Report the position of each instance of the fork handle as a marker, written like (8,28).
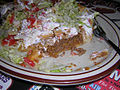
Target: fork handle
(113,45)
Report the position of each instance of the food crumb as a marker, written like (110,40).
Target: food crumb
(78,51)
(99,54)
(87,68)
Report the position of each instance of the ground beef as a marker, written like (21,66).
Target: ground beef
(64,45)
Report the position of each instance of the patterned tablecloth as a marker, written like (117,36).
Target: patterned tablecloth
(109,8)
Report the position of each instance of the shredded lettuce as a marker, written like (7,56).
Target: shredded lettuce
(4,53)
(67,12)
(19,15)
(11,54)
(96,13)
(57,70)
(61,70)
(6,25)
(44,4)
(15,59)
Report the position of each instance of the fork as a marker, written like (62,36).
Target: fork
(100,33)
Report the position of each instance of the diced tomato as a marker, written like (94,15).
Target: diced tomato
(33,4)
(36,9)
(26,9)
(26,2)
(43,13)
(22,64)
(28,61)
(32,21)
(12,42)
(11,19)
(30,26)
(32,16)
(10,37)
(4,42)
(9,40)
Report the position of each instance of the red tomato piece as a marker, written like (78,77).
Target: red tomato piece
(4,42)
(33,4)
(22,64)
(26,2)
(28,61)
(26,9)
(11,19)
(9,40)
(10,37)
(12,42)
(30,26)
(43,13)
(36,9)
(32,16)
(32,21)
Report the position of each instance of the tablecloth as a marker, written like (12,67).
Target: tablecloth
(110,82)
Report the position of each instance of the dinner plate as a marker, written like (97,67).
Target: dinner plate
(95,71)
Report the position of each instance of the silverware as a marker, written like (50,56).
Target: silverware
(99,32)
(115,20)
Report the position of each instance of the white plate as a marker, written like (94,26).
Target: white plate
(79,77)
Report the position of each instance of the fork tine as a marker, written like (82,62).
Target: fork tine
(100,29)
(99,32)
(95,21)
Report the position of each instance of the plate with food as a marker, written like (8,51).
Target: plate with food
(53,43)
